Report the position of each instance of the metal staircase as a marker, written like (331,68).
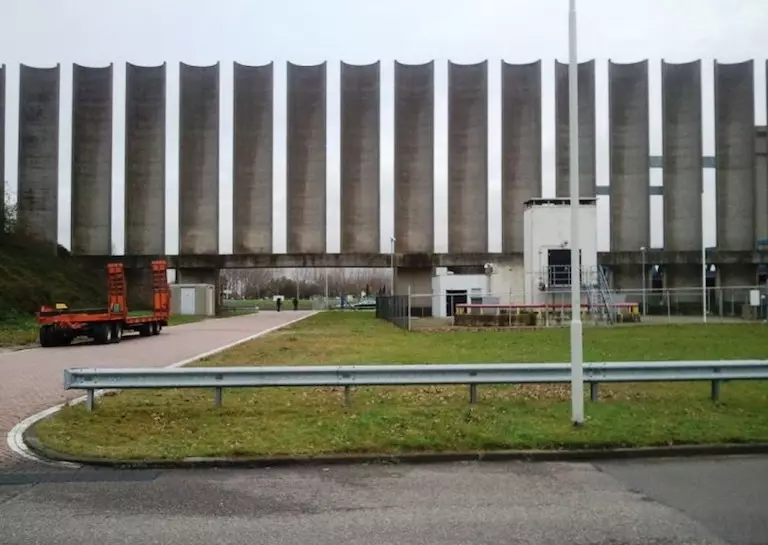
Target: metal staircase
(600,297)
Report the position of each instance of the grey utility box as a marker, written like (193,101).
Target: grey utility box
(193,299)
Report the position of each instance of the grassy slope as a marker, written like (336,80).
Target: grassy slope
(178,423)
(31,276)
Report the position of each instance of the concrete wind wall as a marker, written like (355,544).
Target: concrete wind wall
(199,159)
(682,149)
(38,189)
(521,148)
(145,160)
(630,204)
(306,151)
(414,157)
(735,152)
(586,83)
(468,158)
(91,201)
(761,184)
(2,147)
(253,141)
(360,157)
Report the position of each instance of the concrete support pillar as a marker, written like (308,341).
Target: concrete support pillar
(734,283)
(683,284)
(629,278)
(736,276)
(420,282)
(202,276)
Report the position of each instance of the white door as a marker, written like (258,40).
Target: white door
(187,301)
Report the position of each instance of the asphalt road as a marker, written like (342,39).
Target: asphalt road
(702,502)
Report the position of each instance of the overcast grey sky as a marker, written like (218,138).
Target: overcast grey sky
(92,32)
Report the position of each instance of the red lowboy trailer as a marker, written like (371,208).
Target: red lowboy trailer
(59,326)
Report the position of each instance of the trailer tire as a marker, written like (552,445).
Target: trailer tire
(117,332)
(102,334)
(47,337)
(155,328)
(145,330)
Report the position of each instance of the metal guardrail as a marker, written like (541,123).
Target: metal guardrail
(348,376)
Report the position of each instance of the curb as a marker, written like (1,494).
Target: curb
(16,437)
(576,455)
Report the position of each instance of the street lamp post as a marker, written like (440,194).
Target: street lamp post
(703,263)
(392,264)
(577,348)
(645,285)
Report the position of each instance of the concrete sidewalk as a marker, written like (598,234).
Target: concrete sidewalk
(32,380)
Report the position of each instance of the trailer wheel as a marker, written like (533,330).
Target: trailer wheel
(47,337)
(145,330)
(117,332)
(102,333)
(155,327)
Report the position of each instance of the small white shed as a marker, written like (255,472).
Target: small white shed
(193,299)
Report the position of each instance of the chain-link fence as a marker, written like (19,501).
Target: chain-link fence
(553,308)
(395,309)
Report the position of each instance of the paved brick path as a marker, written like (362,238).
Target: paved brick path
(32,380)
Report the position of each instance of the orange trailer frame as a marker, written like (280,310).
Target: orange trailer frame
(106,325)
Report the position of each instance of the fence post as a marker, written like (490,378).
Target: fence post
(89,400)
(714,393)
(408,309)
(218,394)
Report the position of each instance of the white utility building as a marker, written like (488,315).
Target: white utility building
(544,269)
(547,247)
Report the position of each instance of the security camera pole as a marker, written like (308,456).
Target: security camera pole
(577,348)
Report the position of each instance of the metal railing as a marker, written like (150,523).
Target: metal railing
(473,375)
(395,309)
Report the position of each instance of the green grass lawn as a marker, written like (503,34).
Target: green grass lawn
(167,424)
(23,332)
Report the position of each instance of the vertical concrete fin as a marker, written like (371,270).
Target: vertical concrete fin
(587,179)
(629,137)
(761,175)
(468,158)
(306,169)
(38,190)
(91,200)
(682,152)
(3,189)
(360,158)
(199,159)
(735,155)
(414,157)
(521,148)
(253,144)
(145,159)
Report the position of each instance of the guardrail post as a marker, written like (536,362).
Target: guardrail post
(593,391)
(714,393)
(90,398)
(472,394)
(347,396)
(218,395)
